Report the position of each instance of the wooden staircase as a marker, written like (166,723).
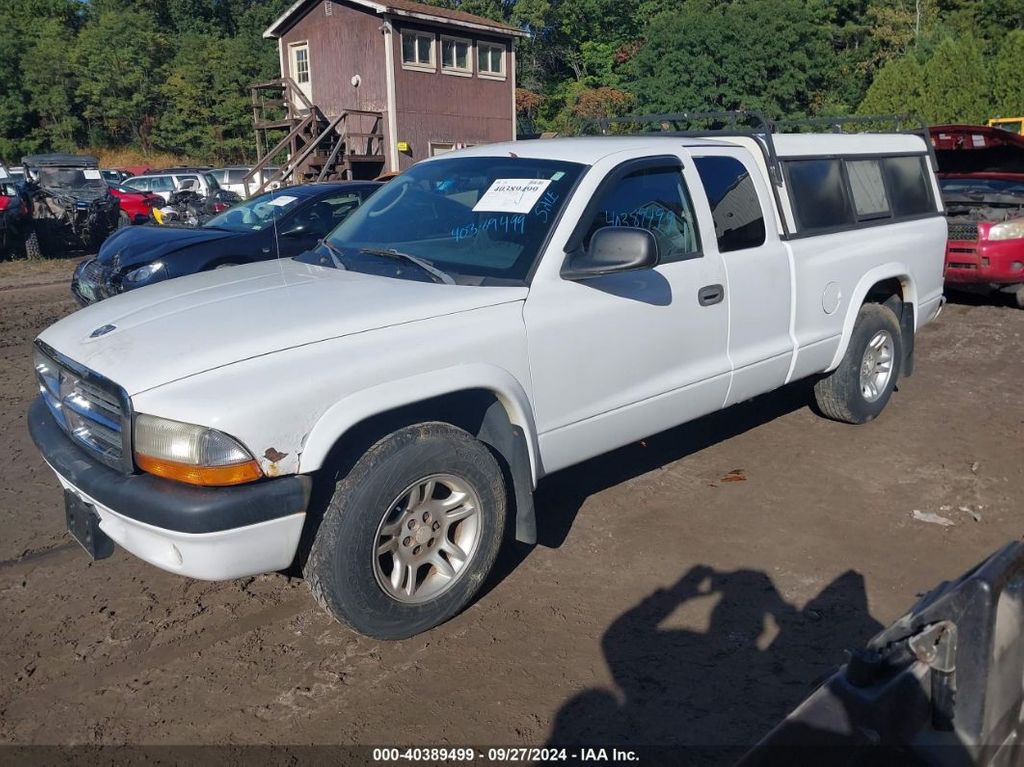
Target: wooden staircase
(314,147)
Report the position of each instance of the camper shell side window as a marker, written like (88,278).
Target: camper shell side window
(836,194)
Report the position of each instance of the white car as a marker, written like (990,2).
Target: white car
(233,179)
(165,183)
(379,410)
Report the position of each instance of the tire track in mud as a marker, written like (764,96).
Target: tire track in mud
(38,556)
(141,660)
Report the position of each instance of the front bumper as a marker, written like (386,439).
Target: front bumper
(208,533)
(999,262)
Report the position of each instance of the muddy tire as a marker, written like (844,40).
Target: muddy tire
(32,246)
(859,389)
(123,220)
(410,533)
(1018,296)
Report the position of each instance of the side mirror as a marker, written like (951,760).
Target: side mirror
(613,249)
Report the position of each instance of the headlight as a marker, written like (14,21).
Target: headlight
(193,454)
(147,272)
(1008,230)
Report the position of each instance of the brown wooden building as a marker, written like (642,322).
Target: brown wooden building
(385,83)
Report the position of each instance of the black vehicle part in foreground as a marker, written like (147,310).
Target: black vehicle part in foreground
(944,685)
(72,206)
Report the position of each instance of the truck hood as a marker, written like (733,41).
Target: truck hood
(138,245)
(182,327)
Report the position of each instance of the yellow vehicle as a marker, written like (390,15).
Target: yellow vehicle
(1011,124)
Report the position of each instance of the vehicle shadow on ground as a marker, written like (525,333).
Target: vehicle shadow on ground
(711,694)
(971,298)
(559,497)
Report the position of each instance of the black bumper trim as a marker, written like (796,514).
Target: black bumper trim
(162,502)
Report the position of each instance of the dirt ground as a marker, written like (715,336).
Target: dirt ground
(687,590)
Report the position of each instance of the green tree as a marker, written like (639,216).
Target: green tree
(120,59)
(768,55)
(896,89)
(955,83)
(51,81)
(1008,76)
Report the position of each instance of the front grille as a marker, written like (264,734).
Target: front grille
(962,231)
(93,411)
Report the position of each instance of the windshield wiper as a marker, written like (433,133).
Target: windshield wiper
(438,276)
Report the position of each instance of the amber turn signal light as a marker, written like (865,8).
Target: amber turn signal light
(206,476)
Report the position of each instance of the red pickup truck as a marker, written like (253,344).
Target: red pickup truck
(981,174)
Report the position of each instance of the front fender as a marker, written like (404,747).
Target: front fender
(343,415)
(893,270)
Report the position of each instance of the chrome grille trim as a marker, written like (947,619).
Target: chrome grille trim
(962,231)
(93,411)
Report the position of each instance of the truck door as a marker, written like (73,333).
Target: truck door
(759,268)
(617,357)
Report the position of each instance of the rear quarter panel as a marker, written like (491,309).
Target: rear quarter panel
(848,264)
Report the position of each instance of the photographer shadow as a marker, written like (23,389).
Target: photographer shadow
(712,694)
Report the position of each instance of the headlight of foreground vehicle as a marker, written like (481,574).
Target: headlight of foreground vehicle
(145,273)
(1008,230)
(193,454)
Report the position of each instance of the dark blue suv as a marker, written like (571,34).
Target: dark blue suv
(277,224)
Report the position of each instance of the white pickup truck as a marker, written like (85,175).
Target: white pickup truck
(378,411)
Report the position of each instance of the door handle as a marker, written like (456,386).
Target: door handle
(710,294)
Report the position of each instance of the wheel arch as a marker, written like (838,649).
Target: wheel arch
(879,285)
(487,402)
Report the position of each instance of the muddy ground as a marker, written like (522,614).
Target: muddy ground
(665,603)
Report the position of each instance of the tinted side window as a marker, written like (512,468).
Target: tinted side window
(909,185)
(869,197)
(819,194)
(655,199)
(739,220)
(322,216)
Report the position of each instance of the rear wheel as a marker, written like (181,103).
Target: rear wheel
(410,533)
(859,389)
(1018,295)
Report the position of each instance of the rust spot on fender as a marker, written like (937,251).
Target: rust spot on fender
(273,455)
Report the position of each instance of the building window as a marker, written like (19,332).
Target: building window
(490,60)
(735,209)
(455,56)
(301,53)
(418,50)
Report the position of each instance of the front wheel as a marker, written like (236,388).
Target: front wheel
(410,533)
(859,389)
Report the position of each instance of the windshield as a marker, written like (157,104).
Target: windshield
(474,218)
(71,178)
(255,214)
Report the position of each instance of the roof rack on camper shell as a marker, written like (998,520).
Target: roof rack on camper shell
(731,123)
